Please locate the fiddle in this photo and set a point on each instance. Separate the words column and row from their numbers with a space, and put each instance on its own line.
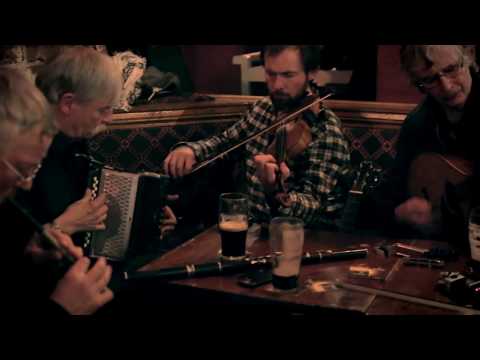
column 299, row 129
column 293, row 138
column 290, row 140
column 299, row 134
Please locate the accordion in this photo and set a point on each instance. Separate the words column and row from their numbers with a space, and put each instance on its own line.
column 135, row 207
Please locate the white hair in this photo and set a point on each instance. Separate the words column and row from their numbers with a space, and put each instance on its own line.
column 87, row 73
column 414, row 55
column 22, row 106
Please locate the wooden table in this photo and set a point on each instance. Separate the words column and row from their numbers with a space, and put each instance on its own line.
column 312, row 296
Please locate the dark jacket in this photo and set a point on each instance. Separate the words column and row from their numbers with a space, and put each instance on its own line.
column 61, row 181
column 426, row 129
column 28, row 286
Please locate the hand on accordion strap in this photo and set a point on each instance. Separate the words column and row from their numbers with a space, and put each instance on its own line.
column 168, row 221
column 85, row 214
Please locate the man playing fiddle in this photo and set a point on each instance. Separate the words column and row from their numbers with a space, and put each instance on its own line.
column 309, row 178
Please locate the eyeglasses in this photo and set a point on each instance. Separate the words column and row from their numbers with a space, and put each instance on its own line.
column 20, row 176
column 450, row 72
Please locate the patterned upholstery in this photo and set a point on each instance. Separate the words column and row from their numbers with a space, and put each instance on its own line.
column 372, row 129
column 137, row 148
column 143, row 149
column 377, row 145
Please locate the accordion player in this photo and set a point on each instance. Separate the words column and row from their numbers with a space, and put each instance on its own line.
column 135, row 202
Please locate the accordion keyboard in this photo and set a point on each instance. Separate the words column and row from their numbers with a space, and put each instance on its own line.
column 121, row 190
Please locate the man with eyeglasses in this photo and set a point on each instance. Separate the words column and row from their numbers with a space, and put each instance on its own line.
column 26, row 132
column 23, row 178
column 82, row 85
column 446, row 122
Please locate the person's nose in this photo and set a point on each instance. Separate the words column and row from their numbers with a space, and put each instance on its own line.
column 277, row 83
column 445, row 83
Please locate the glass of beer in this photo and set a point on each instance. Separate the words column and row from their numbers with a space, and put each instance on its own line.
column 286, row 245
column 474, row 233
column 233, row 225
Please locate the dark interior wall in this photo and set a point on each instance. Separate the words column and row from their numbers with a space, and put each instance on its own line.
column 211, row 68
column 362, row 59
column 211, row 71
column 392, row 83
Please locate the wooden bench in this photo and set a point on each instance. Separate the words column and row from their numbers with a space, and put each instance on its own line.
column 140, row 139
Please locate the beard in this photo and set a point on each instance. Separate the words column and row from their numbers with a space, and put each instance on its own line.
column 284, row 102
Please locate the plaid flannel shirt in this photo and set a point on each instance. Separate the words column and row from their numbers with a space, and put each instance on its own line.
column 314, row 173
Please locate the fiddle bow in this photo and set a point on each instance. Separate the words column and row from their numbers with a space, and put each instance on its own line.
column 284, row 120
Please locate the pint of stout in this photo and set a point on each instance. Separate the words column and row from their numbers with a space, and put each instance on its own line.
column 233, row 225
column 233, row 231
column 286, row 243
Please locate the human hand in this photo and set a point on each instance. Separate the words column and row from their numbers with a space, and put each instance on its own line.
column 84, row 215
column 179, row 162
column 168, row 222
column 82, row 291
column 36, row 250
column 267, row 171
column 414, row 211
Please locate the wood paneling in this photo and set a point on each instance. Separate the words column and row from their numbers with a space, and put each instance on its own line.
column 232, row 107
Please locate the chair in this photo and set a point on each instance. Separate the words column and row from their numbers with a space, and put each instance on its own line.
column 252, row 71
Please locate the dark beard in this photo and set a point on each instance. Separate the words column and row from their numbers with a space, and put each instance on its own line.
column 287, row 104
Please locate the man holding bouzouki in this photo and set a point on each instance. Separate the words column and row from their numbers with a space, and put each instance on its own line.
column 430, row 188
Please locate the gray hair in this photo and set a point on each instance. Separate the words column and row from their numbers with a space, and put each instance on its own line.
column 87, row 73
column 412, row 56
column 22, row 106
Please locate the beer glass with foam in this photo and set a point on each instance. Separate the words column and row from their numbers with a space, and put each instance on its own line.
column 474, row 233
column 233, row 225
column 286, row 245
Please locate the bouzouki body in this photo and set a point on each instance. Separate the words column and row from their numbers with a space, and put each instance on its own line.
column 443, row 180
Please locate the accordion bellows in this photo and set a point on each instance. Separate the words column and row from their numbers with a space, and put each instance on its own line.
column 135, row 204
